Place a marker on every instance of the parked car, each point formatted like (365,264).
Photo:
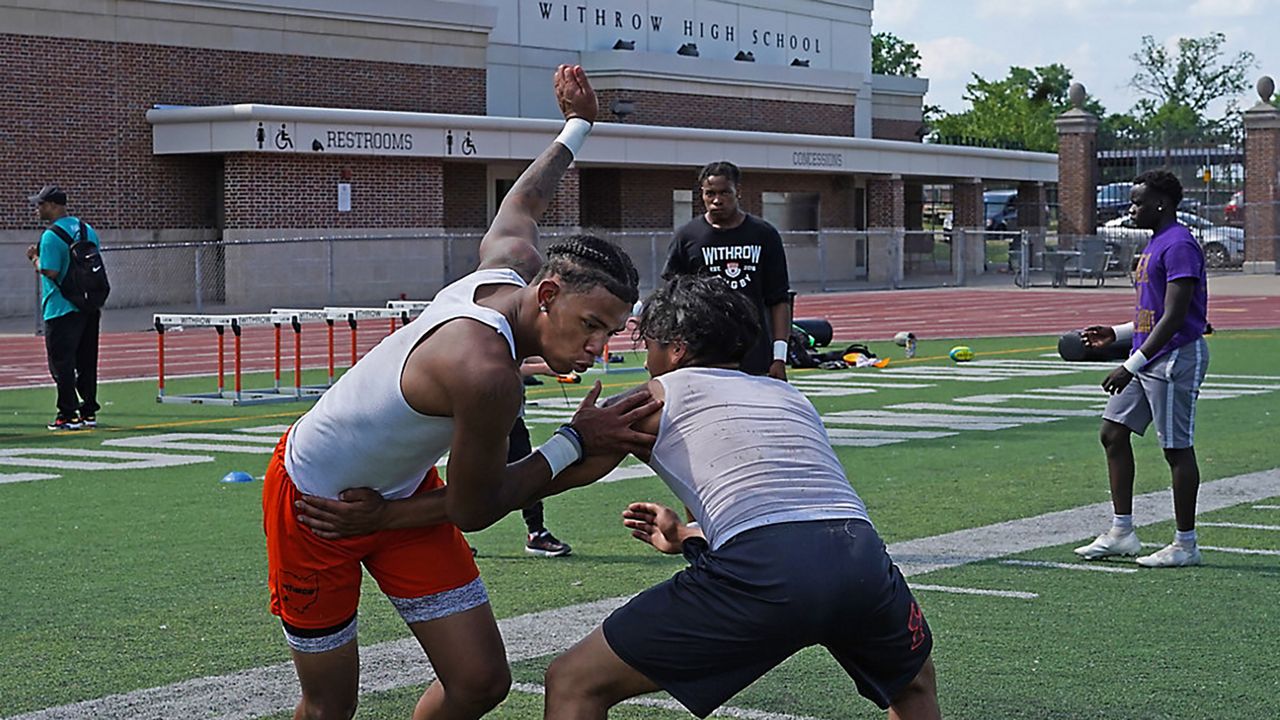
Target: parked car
(999,210)
(1113,201)
(1223,245)
(1233,211)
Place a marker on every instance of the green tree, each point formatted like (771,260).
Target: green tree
(1180,85)
(1016,112)
(1193,76)
(891,55)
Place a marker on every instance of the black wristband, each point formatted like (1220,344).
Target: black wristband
(693,548)
(571,433)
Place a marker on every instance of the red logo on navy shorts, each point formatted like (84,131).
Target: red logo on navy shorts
(915,623)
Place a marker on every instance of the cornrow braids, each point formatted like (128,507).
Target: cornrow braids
(720,168)
(717,324)
(582,262)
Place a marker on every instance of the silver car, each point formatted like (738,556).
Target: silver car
(1223,245)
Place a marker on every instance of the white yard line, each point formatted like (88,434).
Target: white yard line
(1231,550)
(1266,507)
(400,663)
(1093,567)
(976,591)
(1242,526)
(669,704)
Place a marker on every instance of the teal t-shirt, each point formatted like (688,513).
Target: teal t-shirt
(55,254)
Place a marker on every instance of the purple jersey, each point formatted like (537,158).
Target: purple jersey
(1171,254)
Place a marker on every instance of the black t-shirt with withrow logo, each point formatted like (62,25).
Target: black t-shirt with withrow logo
(749,257)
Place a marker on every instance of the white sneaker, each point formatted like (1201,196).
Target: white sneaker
(1172,555)
(1110,545)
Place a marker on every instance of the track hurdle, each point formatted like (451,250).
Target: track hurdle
(294,318)
(238,395)
(352,315)
(413,307)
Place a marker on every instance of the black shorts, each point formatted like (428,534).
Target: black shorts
(737,612)
(518,445)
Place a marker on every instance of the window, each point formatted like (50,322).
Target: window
(681,207)
(792,211)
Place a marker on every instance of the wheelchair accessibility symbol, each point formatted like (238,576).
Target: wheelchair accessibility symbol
(466,147)
(283,141)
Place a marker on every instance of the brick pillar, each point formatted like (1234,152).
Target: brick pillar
(1262,182)
(1077,169)
(886,217)
(886,202)
(1031,205)
(966,203)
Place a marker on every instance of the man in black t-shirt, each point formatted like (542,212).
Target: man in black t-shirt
(747,252)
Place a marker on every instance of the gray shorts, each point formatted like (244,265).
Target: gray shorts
(1164,392)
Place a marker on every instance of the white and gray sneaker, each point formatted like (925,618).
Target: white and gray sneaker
(1172,555)
(1109,544)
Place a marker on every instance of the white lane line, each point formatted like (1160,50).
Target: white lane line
(945,407)
(275,430)
(207,442)
(850,437)
(1242,526)
(1092,567)
(628,472)
(1232,550)
(399,663)
(1000,398)
(669,704)
(25,477)
(975,591)
(1050,529)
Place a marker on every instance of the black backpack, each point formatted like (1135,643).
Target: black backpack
(85,284)
(800,352)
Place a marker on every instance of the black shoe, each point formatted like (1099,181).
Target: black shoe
(89,421)
(63,423)
(545,544)
(531,380)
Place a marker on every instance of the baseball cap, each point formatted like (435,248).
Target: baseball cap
(49,193)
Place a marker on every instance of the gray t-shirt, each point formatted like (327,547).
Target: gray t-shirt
(744,451)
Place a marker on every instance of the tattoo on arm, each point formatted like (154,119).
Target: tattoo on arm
(537,185)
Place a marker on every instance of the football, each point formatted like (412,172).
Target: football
(961,353)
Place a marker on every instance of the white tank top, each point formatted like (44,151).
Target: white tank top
(743,451)
(362,432)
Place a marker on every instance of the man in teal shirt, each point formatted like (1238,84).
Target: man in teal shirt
(70,335)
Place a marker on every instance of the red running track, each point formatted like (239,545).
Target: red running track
(873,315)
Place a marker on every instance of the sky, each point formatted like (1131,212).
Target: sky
(1093,38)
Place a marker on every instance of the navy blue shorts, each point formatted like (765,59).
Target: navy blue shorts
(737,612)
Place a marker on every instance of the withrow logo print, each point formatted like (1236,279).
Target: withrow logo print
(735,263)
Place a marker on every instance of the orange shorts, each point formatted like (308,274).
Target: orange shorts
(315,583)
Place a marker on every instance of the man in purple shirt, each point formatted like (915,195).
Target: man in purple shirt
(1168,360)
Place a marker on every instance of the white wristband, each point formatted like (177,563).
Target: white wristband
(574,135)
(1123,332)
(560,453)
(1136,362)
(780,350)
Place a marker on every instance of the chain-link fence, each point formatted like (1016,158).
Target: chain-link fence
(250,275)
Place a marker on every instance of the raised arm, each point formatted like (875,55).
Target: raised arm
(511,239)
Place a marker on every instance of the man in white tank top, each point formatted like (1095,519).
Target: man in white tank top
(353,483)
(785,556)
